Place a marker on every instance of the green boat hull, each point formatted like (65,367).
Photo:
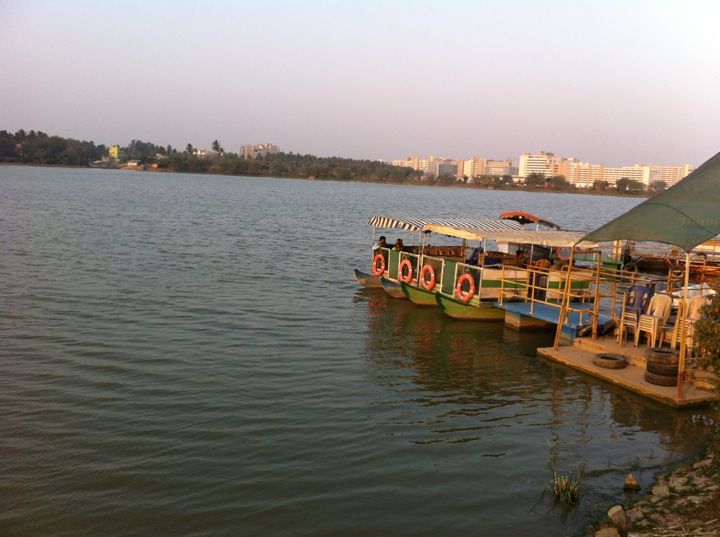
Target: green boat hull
(419,296)
(484,311)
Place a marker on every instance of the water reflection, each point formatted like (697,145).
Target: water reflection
(482,384)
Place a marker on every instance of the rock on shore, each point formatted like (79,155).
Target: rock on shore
(683,503)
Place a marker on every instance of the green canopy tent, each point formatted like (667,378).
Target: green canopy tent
(685,215)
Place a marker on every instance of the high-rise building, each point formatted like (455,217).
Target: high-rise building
(498,167)
(542,163)
(669,174)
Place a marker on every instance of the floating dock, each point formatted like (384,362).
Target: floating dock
(580,354)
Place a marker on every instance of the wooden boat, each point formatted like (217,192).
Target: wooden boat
(418,295)
(388,264)
(481,311)
(473,292)
(392,288)
(367,280)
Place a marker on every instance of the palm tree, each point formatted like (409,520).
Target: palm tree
(217,147)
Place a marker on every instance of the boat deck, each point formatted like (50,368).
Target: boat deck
(579,356)
(549,313)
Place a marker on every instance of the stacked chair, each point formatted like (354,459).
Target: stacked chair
(654,320)
(634,303)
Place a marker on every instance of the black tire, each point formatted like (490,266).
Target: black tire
(662,356)
(610,361)
(660,380)
(668,370)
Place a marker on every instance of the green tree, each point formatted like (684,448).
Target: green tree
(656,187)
(558,182)
(535,179)
(217,147)
(189,149)
(629,185)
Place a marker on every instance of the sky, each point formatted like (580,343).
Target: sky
(613,82)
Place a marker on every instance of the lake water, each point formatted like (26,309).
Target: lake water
(190,355)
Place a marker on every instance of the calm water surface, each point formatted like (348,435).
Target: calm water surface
(190,355)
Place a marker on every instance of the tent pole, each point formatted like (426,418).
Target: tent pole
(683,345)
(565,303)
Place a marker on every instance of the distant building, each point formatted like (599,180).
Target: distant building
(257,150)
(585,174)
(542,163)
(499,168)
(116,152)
(204,153)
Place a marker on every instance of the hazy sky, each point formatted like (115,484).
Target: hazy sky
(606,81)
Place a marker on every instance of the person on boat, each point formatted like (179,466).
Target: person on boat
(520,259)
(381,243)
(399,246)
(474,257)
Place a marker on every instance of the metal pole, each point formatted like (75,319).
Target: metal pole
(565,304)
(683,346)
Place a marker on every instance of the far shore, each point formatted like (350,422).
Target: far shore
(474,186)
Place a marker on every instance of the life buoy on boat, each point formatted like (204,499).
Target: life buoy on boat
(462,295)
(405,277)
(378,266)
(427,283)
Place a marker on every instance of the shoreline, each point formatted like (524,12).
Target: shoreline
(587,192)
(683,500)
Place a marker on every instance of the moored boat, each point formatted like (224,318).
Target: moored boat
(367,280)
(473,292)
(482,311)
(392,288)
(394,267)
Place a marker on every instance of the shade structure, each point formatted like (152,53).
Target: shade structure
(416,224)
(685,215)
(551,238)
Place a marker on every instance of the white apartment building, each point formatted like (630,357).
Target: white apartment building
(668,174)
(546,164)
(581,174)
(257,150)
(499,167)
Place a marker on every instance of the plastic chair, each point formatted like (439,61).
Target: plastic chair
(694,313)
(672,331)
(635,300)
(655,319)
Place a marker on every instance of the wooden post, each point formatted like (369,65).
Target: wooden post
(683,345)
(565,302)
(596,298)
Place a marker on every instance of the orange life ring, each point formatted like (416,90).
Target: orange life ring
(461,294)
(428,284)
(378,266)
(403,277)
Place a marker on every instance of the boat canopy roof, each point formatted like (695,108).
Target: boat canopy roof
(527,218)
(420,224)
(551,238)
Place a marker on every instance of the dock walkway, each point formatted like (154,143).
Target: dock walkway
(580,354)
(549,313)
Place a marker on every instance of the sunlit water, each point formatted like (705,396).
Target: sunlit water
(190,355)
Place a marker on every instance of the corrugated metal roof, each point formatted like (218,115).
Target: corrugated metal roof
(562,239)
(417,224)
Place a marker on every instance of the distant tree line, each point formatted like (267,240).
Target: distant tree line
(36,147)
